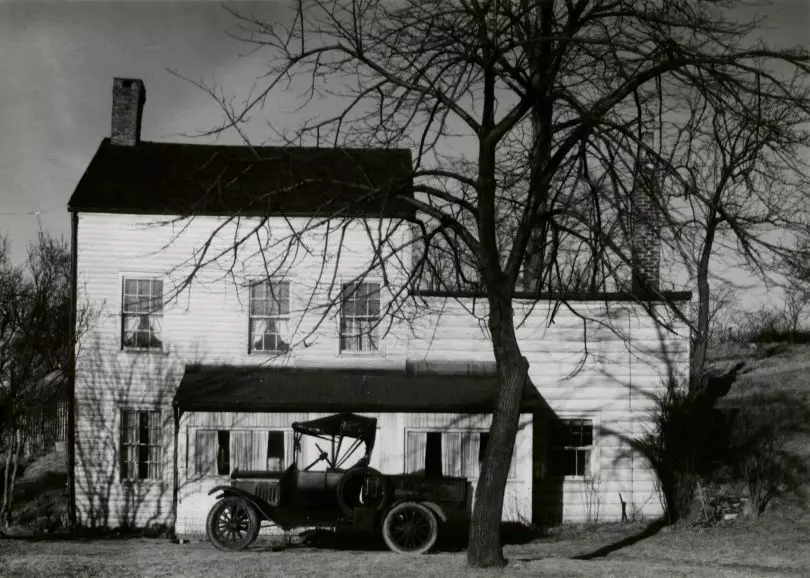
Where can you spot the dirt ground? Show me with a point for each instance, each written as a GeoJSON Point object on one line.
{"type": "Point", "coordinates": [776, 548]}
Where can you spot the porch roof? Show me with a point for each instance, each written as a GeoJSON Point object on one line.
{"type": "Point", "coordinates": [273, 389]}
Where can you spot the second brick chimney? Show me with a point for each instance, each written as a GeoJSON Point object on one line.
{"type": "Point", "coordinates": [129, 96]}
{"type": "Point", "coordinates": [645, 226]}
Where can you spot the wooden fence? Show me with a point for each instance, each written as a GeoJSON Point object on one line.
{"type": "Point", "coordinates": [45, 425]}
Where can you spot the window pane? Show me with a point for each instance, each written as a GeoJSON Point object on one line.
{"type": "Point", "coordinates": [433, 454]}
{"type": "Point", "coordinates": [582, 457]}
{"type": "Point", "coordinates": [283, 298]}
{"type": "Point", "coordinates": [452, 454]}
{"type": "Point", "coordinates": [241, 450]}
{"type": "Point", "coordinates": [415, 446]}
{"type": "Point", "coordinates": [257, 290]}
{"type": "Point", "coordinates": [223, 452]}
{"type": "Point", "coordinates": [144, 287]}
{"type": "Point", "coordinates": [130, 287]}
{"type": "Point", "coordinates": [258, 307]}
{"type": "Point", "coordinates": [275, 451]}
{"type": "Point", "coordinates": [587, 434]}
{"type": "Point", "coordinates": [348, 291]}
{"type": "Point", "coordinates": [374, 304]}
{"type": "Point", "coordinates": [130, 304]}
{"type": "Point", "coordinates": [349, 308]}
{"type": "Point", "coordinates": [205, 452]}
{"type": "Point", "coordinates": [483, 438]}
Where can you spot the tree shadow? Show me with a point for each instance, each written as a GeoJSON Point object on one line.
{"type": "Point", "coordinates": [650, 530]}
{"type": "Point", "coordinates": [107, 383]}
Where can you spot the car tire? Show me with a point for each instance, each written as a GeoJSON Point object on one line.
{"type": "Point", "coordinates": [361, 474]}
{"type": "Point", "coordinates": [410, 528]}
{"type": "Point", "coordinates": [232, 524]}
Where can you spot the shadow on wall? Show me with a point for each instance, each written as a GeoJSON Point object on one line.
{"type": "Point", "coordinates": [124, 439]}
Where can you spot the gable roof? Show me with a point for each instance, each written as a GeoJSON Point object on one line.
{"type": "Point", "coordinates": [192, 179]}
{"type": "Point", "coordinates": [284, 389]}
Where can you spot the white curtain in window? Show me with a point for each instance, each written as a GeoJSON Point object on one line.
{"type": "Point", "coordinates": [205, 452]}
{"type": "Point", "coordinates": [452, 456]}
{"type": "Point", "coordinates": [248, 450]}
{"type": "Point", "coordinates": [258, 455]}
{"type": "Point", "coordinates": [469, 453]}
{"type": "Point", "coordinates": [288, 449]}
{"type": "Point", "coordinates": [241, 449]}
{"type": "Point", "coordinates": [415, 445]}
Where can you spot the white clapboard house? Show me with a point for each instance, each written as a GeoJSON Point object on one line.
{"type": "Point", "coordinates": [174, 392]}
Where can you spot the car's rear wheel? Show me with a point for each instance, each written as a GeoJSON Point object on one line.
{"type": "Point", "coordinates": [232, 524]}
{"type": "Point", "coordinates": [410, 528]}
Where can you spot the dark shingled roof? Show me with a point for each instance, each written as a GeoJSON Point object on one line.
{"type": "Point", "coordinates": [184, 179]}
{"type": "Point", "coordinates": [268, 389]}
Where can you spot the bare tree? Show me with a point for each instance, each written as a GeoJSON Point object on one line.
{"type": "Point", "coordinates": [797, 287]}
{"type": "Point", "coordinates": [738, 176]}
{"type": "Point", "coordinates": [35, 344]}
{"type": "Point", "coordinates": [550, 102]}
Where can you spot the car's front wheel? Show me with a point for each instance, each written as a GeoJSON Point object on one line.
{"type": "Point", "coordinates": [410, 528]}
{"type": "Point", "coordinates": [232, 524]}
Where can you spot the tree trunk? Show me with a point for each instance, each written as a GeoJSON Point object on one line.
{"type": "Point", "coordinates": [485, 539]}
{"type": "Point", "coordinates": [700, 342]}
{"type": "Point", "coordinates": [5, 508]}
{"type": "Point", "coordinates": [13, 480]}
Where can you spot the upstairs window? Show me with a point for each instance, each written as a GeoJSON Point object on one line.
{"type": "Point", "coordinates": [570, 443]}
{"type": "Point", "coordinates": [142, 314]}
{"type": "Point", "coordinates": [360, 317]}
{"type": "Point", "coordinates": [141, 445]}
{"type": "Point", "coordinates": [269, 316]}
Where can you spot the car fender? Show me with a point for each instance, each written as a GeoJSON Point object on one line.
{"type": "Point", "coordinates": [432, 506]}
{"type": "Point", "coordinates": [240, 493]}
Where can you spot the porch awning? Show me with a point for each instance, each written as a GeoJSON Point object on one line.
{"type": "Point", "coordinates": [269, 389]}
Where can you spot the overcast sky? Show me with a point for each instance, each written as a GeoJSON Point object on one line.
{"type": "Point", "coordinates": [57, 61]}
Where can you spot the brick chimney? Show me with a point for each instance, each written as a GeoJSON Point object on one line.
{"type": "Point", "coordinates": [129, 96]}
{"type": "Point", "coordinates": [646, 225]}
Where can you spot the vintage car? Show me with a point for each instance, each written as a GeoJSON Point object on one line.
{"type": "Point", "coordinates": [410, 510]}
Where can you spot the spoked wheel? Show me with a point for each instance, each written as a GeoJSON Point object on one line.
{"type": "Point", "coordinates": [232, 524]}
{"type": "Point", "coordinates": [410, 528]}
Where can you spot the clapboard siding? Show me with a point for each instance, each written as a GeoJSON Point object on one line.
{"type": "Point", "coordinates": [627, 359]}
{"type": "Point", "coordinates": [614, 384]}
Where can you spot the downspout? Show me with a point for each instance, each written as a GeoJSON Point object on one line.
{"type": "Point", "coordinates": [630, 410]}
{"type": "Point", "coordinates": [177, 413]}
{"type": "Point", "coordinates": [71, 393]}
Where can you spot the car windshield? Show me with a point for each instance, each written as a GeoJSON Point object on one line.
{"type": "Point", "coordinates": [334, 428]}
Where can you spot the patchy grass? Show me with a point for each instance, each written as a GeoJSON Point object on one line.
{"type": "Point", "coordinates": [40, 496]}
{"type": "Point", "coordinates": [738, 550]}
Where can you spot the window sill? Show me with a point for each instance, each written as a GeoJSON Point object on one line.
{"type": "Point", "coordinates": [144, 351]}
{"type": "Point", "coordinates": [143, 482]}
{"type": "Point", "coordinates": [288, 353]}
{"type": "Point", "coordinates": [377, 353]}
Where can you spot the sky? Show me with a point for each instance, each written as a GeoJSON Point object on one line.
{"type": "Point", "coordinates": [57, 62]}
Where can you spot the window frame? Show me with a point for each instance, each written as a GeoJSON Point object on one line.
{"type": "Point", "coordinates": [158, 314]}
{"type": "Point", "coordinates": [287, 318]}
{"type": "Point", "coordinates": [361, 352]}
{"type": "Point", "coordinates": [514, 469]}
{"type": "Point", "coordinates": [122, 444]}
{"type": "Point", "coordinates": [593, 461]}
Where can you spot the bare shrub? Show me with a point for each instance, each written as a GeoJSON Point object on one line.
{"type": "Point", "coordinates": [759, 447]}
{"type": "Point", "coordinates": [684, 445]}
